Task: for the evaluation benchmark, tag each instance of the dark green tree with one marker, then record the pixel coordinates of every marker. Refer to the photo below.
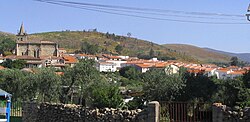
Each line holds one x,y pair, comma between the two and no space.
118,49
234,61
198,87
151,53
130,72
16,64
7,45
103,94
88,48
79,77
162,87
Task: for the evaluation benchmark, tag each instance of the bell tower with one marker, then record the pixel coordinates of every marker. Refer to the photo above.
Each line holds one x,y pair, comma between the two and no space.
22,35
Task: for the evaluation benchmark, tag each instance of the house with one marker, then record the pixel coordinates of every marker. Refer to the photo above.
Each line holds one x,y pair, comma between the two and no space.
221,73
85,56
53,61
236,73
70,60
209,72
105,67
171,69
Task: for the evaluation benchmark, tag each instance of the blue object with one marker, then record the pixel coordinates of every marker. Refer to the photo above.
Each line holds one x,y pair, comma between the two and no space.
7,97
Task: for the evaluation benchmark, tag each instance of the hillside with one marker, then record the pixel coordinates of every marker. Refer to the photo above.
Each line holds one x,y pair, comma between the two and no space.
243,56
72,40
199,53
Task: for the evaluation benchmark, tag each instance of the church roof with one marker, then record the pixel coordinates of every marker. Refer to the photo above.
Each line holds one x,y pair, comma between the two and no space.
22,31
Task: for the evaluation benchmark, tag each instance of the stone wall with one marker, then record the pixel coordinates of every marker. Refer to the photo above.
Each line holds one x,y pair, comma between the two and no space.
223,113
49,112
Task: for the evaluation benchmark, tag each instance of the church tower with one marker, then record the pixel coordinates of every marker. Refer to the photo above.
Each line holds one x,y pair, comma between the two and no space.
22,35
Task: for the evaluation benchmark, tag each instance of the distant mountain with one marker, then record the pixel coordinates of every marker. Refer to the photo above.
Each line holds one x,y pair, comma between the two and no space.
243,56
199,53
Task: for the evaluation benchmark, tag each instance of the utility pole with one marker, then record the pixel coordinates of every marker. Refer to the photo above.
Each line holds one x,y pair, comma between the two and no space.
248,13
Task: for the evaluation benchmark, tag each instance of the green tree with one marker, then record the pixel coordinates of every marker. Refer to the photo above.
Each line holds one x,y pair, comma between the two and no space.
49,85
7,45
80,76
11,80
198,87
234,61
151,53
16,64
162,87
130,73
103,94
88,48
118,49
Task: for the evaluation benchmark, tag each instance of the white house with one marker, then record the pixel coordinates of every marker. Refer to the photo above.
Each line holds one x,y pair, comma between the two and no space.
105,67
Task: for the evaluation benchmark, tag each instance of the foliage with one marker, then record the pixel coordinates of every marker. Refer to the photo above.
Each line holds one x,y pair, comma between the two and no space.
7,45
151,53
246,79
49,84
234,61
80,77
118,49
198,86
103,94
130,73
16,64
88,48
26,86
136,103
162,87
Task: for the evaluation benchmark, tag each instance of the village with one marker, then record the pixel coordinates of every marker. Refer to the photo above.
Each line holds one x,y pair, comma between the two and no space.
40,53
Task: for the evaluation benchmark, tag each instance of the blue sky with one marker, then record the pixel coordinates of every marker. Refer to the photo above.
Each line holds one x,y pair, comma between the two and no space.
42,17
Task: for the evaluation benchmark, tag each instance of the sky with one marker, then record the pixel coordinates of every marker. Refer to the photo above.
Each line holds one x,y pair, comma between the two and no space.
44,17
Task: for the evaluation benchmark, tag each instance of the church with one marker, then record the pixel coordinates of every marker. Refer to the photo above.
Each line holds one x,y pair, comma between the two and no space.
34,48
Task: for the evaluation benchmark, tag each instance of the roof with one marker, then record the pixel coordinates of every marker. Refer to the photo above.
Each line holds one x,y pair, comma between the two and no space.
22,31
1,67
4,93
36,42
24,57
70,59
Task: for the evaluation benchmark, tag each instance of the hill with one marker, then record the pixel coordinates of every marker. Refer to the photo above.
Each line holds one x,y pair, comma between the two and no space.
243,56
73,40
199,53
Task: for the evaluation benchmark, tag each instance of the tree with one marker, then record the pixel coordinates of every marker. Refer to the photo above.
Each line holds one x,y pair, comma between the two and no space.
118,49
162,87
16,64
198,87
49,85
234,61
89,48
151,53
7,45
80,76
103,94
130,73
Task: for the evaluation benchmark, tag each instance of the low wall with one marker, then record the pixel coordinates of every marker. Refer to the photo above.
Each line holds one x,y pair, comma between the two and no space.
49,112
223,113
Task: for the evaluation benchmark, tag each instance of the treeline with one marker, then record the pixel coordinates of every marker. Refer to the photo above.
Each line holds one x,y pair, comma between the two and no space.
97,89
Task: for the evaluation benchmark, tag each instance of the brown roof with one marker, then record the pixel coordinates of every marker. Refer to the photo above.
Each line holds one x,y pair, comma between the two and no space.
24,57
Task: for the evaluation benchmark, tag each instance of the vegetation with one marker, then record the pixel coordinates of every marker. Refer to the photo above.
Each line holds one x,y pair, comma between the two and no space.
97,89
16,64
7,45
